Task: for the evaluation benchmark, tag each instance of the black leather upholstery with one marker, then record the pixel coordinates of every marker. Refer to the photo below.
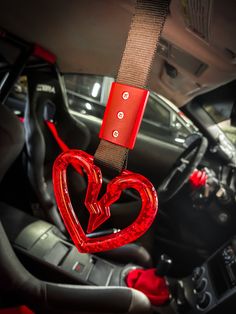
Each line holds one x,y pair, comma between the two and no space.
132,253
11,139
47,297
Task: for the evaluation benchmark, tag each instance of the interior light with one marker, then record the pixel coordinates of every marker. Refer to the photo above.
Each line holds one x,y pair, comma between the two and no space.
88,106
179,140
96,88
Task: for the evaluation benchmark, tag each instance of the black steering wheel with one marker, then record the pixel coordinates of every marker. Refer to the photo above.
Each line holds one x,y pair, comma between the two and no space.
182,169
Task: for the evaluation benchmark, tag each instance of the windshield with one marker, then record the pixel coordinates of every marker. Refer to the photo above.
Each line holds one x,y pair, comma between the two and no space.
220,113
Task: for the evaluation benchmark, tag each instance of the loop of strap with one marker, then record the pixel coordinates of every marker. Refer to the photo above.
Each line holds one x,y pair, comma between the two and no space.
142,41
111,158
141,45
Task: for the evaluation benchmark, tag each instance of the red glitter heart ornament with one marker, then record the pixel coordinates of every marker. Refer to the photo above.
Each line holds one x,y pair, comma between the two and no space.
100,209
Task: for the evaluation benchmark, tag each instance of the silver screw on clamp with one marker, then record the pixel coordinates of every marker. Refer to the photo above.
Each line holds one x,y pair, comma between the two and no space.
120,115
115,133
125,95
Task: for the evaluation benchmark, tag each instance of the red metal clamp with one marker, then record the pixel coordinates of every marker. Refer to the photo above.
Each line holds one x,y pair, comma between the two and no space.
123,114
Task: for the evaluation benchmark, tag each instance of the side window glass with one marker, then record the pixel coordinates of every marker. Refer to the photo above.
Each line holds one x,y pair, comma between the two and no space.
156,113
166,122
87,94
221,113
85,85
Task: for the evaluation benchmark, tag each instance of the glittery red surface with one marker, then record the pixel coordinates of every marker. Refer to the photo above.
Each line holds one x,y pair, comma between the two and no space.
100,209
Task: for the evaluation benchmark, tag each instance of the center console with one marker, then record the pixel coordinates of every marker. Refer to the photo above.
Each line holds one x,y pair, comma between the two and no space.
50,256
212,287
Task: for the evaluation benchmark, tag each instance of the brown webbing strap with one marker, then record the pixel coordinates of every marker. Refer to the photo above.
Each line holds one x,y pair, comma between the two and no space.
141,45
111,156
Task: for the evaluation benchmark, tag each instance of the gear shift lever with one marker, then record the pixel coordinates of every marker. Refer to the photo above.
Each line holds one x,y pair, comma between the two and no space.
164,265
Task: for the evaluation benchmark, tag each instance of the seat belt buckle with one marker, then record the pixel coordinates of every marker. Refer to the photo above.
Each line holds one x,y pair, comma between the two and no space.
123,114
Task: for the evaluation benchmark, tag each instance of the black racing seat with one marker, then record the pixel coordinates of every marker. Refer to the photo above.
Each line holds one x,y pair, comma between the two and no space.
48,102
19,285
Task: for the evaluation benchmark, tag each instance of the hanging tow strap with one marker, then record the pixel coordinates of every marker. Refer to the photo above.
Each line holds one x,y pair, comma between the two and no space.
121,122
146,27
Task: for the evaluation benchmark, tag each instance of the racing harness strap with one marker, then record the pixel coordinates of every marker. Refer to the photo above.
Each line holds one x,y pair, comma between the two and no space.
128,96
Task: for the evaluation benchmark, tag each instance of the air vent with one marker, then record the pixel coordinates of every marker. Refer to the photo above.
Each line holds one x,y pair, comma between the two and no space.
198,16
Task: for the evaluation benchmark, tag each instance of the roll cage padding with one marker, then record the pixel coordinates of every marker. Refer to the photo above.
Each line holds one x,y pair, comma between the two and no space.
45,297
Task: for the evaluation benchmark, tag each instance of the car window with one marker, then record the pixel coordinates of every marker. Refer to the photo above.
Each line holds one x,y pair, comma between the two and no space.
220,112
161,120
154,109
85,85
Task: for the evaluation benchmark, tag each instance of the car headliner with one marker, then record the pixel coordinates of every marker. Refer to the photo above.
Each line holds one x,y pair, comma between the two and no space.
88,36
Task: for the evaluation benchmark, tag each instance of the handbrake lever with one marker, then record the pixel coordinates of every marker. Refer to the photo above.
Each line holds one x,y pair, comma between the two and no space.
102,233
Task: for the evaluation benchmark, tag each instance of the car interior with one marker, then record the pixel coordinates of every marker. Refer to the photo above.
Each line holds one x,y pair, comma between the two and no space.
58,61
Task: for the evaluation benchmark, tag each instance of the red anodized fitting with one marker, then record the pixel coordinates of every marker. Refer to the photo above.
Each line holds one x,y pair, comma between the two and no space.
123,114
